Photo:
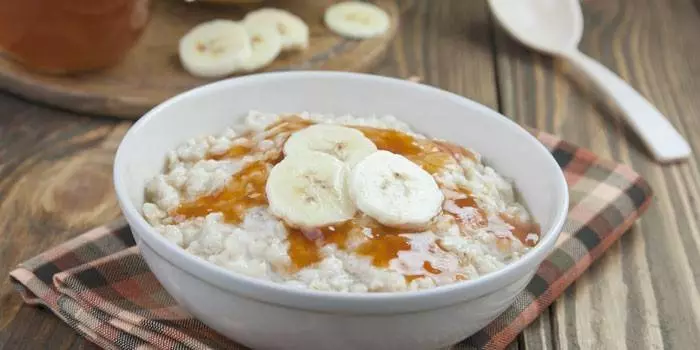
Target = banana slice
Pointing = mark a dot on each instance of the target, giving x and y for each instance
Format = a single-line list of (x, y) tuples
[(394, 191), (215, 48), (294, 32), (266, 42), (309, 190), (356, 20), (348, 145)]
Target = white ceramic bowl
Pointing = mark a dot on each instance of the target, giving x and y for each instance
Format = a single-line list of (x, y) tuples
[(266, 315)]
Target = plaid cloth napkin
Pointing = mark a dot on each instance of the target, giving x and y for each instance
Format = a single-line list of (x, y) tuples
[(99, 284)]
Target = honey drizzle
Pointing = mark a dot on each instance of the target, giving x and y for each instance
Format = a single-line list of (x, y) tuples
[(237, 151), (522, 229), (339, 234), (383, 248), (456, 151), (285, 126), (427, 267), (479, 219), (302, 251), (411, 278), (432, 157), (432, 162), (425, 153), (382, 244), (392, 140), (246, 190)]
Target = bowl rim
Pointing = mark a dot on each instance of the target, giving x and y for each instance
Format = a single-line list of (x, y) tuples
[(294, 297)]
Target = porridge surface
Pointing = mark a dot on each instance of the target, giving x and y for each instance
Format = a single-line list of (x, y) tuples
[(213, 200)]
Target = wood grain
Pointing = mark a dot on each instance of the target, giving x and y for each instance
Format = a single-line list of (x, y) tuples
[(55, 182), (643, 293), (151, 72)]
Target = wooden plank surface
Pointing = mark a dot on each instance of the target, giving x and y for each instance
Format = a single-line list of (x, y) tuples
[(55, 166), (643, 294)]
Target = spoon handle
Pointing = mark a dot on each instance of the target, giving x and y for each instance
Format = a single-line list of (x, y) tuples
[(659, 135)]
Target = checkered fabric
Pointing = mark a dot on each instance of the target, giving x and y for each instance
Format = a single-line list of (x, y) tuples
[(99, 284)]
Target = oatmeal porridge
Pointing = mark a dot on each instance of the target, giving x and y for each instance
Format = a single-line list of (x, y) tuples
[(342, 203)]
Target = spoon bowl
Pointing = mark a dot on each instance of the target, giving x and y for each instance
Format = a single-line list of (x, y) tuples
[(555, 27), (550, 26)]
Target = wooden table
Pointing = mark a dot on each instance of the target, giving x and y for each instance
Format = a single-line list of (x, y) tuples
[(55, 166)]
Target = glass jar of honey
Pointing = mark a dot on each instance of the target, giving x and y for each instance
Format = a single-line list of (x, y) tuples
[(70, 36)]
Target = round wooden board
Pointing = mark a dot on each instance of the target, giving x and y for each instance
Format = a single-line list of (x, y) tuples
[(152, 73)]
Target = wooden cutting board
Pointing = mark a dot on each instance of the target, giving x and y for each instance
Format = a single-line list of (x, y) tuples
[(152, 73)]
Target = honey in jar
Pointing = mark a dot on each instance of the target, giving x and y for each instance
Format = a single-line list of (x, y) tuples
[(70, 36)]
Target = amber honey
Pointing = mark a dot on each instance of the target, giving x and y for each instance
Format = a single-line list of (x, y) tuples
[(244, 191), (479, 218), (432, 162), (522, 229), (382, 244), (287, 125), (66, 36), (392, 140), (340, 233), (236, 151), (284, 127), (455, 150), (302, 251), (427, 267), (425, 153), (370, 238)]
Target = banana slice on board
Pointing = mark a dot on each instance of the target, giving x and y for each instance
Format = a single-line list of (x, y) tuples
[(394, 191), (294, 31), (356, 20), (215, 48), (266, 43), (346, 144), (309, 190)]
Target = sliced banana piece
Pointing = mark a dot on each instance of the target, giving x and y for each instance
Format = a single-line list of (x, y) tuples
[(356, 20), (348, 145), (394, 191), (309, 190), (266, 43), (294, 31), (215, 48)]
